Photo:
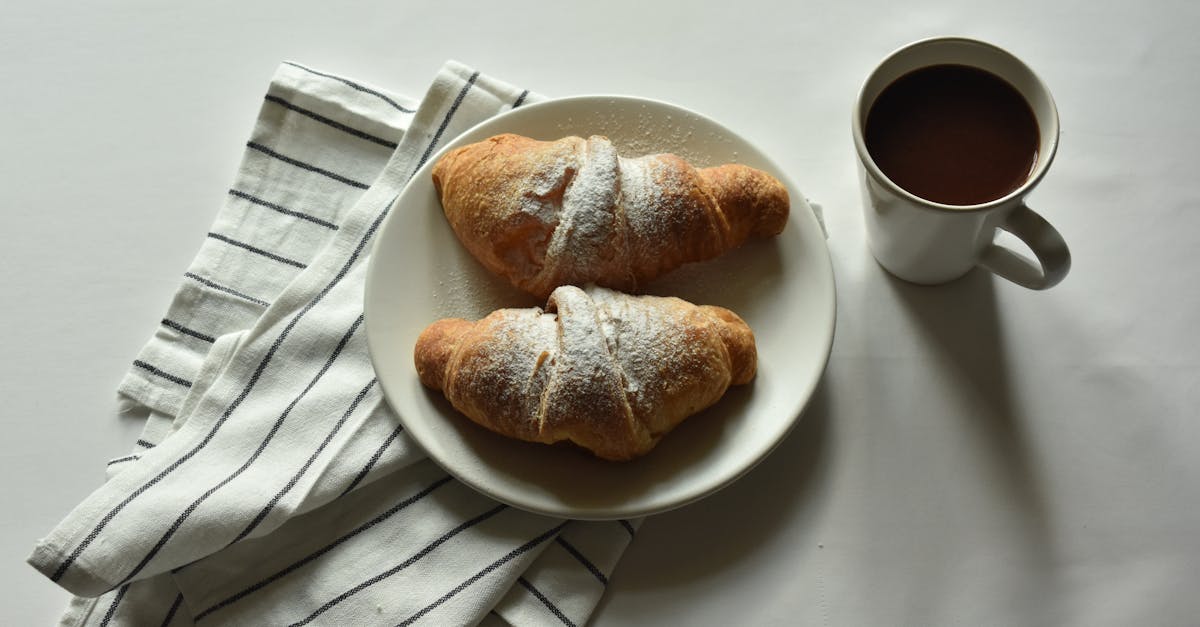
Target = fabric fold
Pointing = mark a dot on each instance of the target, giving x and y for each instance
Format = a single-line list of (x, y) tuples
[(284, 490)]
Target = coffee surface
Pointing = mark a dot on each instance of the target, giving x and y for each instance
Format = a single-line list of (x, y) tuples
[(953, 134)]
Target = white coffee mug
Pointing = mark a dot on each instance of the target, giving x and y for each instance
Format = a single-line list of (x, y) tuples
[(928, 242)]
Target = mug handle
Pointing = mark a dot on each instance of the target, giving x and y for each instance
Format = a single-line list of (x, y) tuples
[(1053, 258)]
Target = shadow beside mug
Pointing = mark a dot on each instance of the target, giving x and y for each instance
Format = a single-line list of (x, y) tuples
[(960, 325)]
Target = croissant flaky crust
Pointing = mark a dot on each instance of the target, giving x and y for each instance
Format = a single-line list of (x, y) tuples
[(573, 212), (608, 371)]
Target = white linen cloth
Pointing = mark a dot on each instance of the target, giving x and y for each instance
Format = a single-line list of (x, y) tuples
[(272, 483)]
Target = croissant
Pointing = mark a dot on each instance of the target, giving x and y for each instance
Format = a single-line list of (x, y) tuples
[(608, 371), (571, 212)]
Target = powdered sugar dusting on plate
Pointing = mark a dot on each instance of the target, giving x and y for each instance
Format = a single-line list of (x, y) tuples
[(647, 133), (467, 290)]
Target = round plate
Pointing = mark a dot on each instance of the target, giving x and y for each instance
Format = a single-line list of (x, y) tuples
[(782, 286)]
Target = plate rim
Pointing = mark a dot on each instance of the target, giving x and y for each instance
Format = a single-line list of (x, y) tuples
[(624, 509)]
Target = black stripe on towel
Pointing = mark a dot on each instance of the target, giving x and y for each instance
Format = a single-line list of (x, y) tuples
[(171, 612), (330, 122), (281, 209), (305, 166), (262, 515), (221, 288), (515, 553), (437, 136), (258, 251), (374, 460), (294, 566), (159, 373), (112, 609), (426, 550), (353, 85), (171, 324), (520, 99), (545, 601), (582, 560)]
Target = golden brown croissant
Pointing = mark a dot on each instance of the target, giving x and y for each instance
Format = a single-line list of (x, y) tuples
[(572, 212), (608, 371)]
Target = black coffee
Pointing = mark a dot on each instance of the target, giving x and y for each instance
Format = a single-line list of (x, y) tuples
[(953, 134)]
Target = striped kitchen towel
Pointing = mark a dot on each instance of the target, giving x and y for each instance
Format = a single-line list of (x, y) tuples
[(272, 484)]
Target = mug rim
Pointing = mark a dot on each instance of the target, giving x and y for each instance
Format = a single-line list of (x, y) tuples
[(868, 162)]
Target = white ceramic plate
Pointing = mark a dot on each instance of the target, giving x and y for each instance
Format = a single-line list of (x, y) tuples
[(783, 287)]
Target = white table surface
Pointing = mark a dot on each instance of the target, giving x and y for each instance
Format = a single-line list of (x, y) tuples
[(978, 454)]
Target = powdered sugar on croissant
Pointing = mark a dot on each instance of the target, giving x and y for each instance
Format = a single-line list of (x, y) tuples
[(572, 211), (608, 371)]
